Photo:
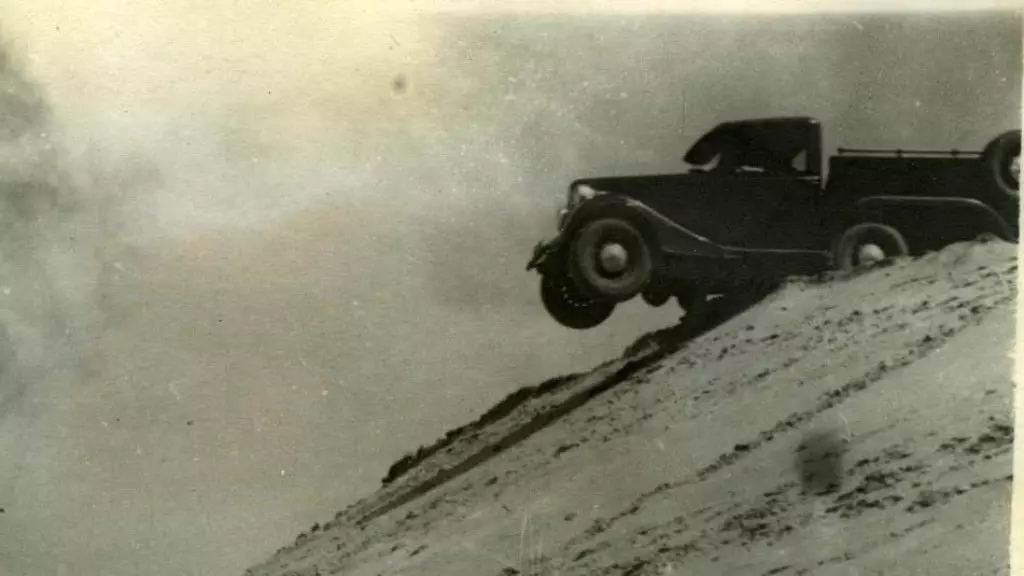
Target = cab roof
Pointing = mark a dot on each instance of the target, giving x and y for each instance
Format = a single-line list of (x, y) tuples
[(755, 140)]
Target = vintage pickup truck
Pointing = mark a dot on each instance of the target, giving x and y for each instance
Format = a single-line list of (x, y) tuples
[(755, 207)]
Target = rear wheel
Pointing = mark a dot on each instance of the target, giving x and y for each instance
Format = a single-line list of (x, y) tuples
[(569, 306), (867, 243), (610, 259)]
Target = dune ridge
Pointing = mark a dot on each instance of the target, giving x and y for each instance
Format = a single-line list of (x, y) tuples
[(876, 406)]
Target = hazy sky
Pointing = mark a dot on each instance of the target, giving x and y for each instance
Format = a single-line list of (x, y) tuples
[(288, 243)]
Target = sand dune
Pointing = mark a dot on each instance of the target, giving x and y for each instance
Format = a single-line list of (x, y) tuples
[(852, 425)]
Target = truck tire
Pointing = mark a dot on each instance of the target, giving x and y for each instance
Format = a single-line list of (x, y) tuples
[(610, 259), (657, 292), (570, 307), (869, 239), (1001, 161), (656, 298)]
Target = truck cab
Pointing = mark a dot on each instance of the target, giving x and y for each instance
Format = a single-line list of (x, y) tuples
[(781, 146)]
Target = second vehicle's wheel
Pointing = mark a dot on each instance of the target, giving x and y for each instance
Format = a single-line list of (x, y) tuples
[(867, 243), (570, 307), (610, 259), (655, 298), (1001, 159), (657, 293)]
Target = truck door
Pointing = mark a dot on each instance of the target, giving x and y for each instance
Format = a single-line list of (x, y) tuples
[(796, 219)]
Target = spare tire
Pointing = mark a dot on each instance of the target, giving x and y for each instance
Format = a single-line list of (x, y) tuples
[(611, 260), (868, 241), (1001, 162)]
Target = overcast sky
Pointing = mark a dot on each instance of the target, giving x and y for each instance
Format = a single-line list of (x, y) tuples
[(287, 244)]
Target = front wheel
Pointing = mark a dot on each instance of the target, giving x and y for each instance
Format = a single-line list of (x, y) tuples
[(569, 306), (610, 260), (868, 243)]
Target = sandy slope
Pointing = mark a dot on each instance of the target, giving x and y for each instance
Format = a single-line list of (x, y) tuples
[(861, 426)]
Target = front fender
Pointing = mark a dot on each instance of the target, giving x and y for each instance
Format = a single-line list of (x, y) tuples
[(674, 237), (665, 235)]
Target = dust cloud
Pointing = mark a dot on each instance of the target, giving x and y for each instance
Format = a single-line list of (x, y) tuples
[(273, 238), (50, 242)]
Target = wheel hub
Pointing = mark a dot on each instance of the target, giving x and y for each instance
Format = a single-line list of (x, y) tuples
[(1015, 168), (870, 253), (613, 257)]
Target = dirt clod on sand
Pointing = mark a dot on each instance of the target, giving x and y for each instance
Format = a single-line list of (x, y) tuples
[(820, 462), (851, 424)]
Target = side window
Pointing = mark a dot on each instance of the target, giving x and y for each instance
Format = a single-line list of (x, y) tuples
[(726, 162), (800, 163)]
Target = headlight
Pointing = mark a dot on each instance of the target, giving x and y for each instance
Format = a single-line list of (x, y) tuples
[(579, 194), (576, 196), (560, 218), (585, 192)]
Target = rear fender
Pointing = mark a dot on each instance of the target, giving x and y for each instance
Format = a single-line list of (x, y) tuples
[(922, 218)]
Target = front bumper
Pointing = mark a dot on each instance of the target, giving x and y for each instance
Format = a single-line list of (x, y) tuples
[(541, 252), (546, 248)]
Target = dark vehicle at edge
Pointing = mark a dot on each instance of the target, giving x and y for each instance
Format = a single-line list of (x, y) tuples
[(755, 209)]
